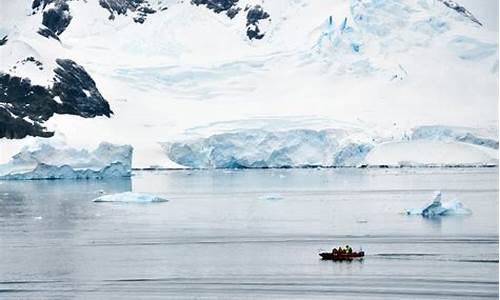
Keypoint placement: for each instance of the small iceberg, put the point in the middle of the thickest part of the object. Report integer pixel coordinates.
(56, 160)
(130, 197)
(271, 197)
(439, 208)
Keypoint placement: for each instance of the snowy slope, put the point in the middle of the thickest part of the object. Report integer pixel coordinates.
(384, 67)
(435, 153)
(37, 77)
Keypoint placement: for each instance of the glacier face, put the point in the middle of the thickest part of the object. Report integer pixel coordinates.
(343, 60)
(269, 149)
(47, 161)
(436, 145)
(454, 133)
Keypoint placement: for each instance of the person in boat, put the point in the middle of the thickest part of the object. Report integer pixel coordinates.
(348, 249)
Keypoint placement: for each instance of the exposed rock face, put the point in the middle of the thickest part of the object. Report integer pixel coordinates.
(25, 107)
(77, 91)
(44, 31)
(121, 7)
(218, 6)
(461, 10)
(57, 18)
(254, 15)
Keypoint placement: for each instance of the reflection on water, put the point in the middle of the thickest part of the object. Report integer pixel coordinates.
(218, 238)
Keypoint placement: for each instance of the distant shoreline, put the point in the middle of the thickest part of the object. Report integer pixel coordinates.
(325, 167)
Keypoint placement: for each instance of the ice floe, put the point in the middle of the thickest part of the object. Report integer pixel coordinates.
(272, 196)
(130, 197)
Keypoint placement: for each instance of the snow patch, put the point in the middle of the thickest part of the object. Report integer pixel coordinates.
(431, 153)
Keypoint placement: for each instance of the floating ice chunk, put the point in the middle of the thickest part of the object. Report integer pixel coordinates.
(455, 207)
(273, 196)
(58, 161)
(438, 208)
(130, 197)
(435, 207)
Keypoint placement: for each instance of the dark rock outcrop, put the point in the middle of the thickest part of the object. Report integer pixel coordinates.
(24, 107)
(44, 31)
(461, 10)
(216, 5)
(121, 7)
(55, 19)
(77, 91)
(254, 15)
(58, 18)
(20, 103)
(3, 40)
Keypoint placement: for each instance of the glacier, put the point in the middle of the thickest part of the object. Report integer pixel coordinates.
(438, 208)
(130, 197)
(282, 144)
(455, 133)
(345, 60)
(45, 160)
(256, 148)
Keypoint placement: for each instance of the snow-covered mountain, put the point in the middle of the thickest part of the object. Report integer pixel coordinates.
(170, 72)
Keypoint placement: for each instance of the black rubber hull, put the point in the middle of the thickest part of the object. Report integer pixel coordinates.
(350, 256)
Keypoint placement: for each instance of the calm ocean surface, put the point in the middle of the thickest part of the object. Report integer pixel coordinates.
(220, 237)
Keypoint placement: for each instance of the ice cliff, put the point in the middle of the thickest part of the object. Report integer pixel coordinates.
(263, 149)
(341, 147)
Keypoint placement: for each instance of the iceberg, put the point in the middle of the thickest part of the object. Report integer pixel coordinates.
(130, 197)
(438, 208)
(58, 161)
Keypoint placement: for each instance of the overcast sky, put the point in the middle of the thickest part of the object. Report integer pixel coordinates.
(486, 11)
